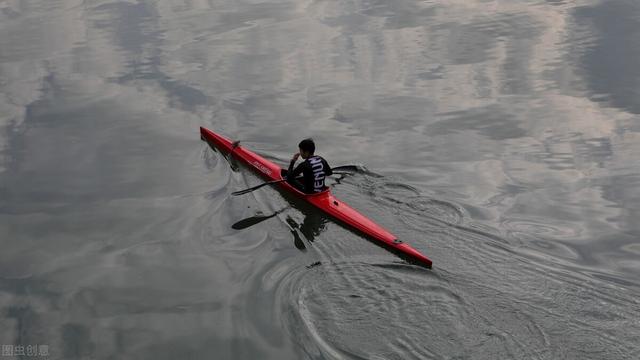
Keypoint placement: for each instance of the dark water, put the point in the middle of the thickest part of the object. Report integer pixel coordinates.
(505, 136)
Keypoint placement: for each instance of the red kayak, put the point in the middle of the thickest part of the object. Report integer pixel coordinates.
(324, 201)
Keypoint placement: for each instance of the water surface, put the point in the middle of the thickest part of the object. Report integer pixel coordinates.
(501, 139)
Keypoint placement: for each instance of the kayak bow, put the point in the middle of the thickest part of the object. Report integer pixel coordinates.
(324, 200)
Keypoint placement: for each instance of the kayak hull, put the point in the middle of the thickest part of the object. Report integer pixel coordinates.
(324, 201)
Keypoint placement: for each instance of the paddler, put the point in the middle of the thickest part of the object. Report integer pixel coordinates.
(314, 169)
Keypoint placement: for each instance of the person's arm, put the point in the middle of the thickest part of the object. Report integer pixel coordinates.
(291, 172)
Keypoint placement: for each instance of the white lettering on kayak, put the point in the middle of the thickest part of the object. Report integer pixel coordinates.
(262, 168)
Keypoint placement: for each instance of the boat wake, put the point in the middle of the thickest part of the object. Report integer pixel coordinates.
(356, 305)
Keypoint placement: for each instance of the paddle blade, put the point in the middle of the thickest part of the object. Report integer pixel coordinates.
(349, 168)
(242, 192)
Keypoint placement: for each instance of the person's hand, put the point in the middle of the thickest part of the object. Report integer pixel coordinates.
(295, 157)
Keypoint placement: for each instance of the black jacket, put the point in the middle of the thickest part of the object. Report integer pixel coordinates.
(314, 169)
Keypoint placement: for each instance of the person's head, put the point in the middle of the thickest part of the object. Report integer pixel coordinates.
(307, 148)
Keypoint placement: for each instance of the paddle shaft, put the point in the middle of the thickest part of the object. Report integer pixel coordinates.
(245, 191)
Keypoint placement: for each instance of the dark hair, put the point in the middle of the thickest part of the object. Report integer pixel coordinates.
(307, 145)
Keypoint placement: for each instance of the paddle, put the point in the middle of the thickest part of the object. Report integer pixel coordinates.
(245, 191)
(348, 168)
(352, 168)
